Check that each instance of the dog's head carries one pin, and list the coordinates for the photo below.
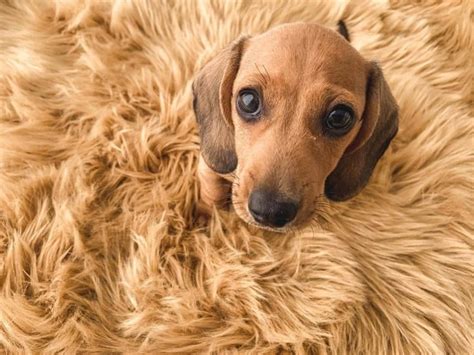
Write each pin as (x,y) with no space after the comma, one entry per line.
(295,113)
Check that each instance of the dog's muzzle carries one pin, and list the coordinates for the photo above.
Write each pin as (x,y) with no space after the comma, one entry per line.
(271,209)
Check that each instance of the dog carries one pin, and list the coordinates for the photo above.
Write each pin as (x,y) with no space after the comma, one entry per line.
(287,119)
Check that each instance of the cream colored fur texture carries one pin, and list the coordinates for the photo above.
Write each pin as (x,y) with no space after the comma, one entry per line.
(98,154)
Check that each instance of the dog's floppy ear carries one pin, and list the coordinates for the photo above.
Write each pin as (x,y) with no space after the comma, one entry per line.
(379,126)
(342,30)
(212,92)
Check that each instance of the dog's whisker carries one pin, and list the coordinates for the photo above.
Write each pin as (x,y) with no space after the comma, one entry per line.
(264,79)
(266,72)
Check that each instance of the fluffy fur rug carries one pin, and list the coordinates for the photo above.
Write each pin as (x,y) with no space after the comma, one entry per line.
(98,149)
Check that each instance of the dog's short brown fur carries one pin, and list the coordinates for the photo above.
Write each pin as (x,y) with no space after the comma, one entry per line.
(301,70)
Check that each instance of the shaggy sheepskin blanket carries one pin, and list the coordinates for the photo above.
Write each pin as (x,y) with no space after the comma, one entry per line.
(99,251)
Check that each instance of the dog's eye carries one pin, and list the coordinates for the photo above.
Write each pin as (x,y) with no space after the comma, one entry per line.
(339,121)
(249,105)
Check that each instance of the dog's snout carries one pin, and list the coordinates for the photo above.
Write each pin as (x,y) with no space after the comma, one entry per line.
(271,209)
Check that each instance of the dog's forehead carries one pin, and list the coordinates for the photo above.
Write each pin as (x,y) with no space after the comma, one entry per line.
(308,51)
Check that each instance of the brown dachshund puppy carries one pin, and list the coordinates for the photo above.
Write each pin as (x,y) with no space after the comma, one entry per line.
(287,118)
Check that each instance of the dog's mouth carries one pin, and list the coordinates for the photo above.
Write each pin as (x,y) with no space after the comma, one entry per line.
(246,217)
(309,211)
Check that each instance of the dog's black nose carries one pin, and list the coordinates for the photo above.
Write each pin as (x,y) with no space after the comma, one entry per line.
(271,209)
